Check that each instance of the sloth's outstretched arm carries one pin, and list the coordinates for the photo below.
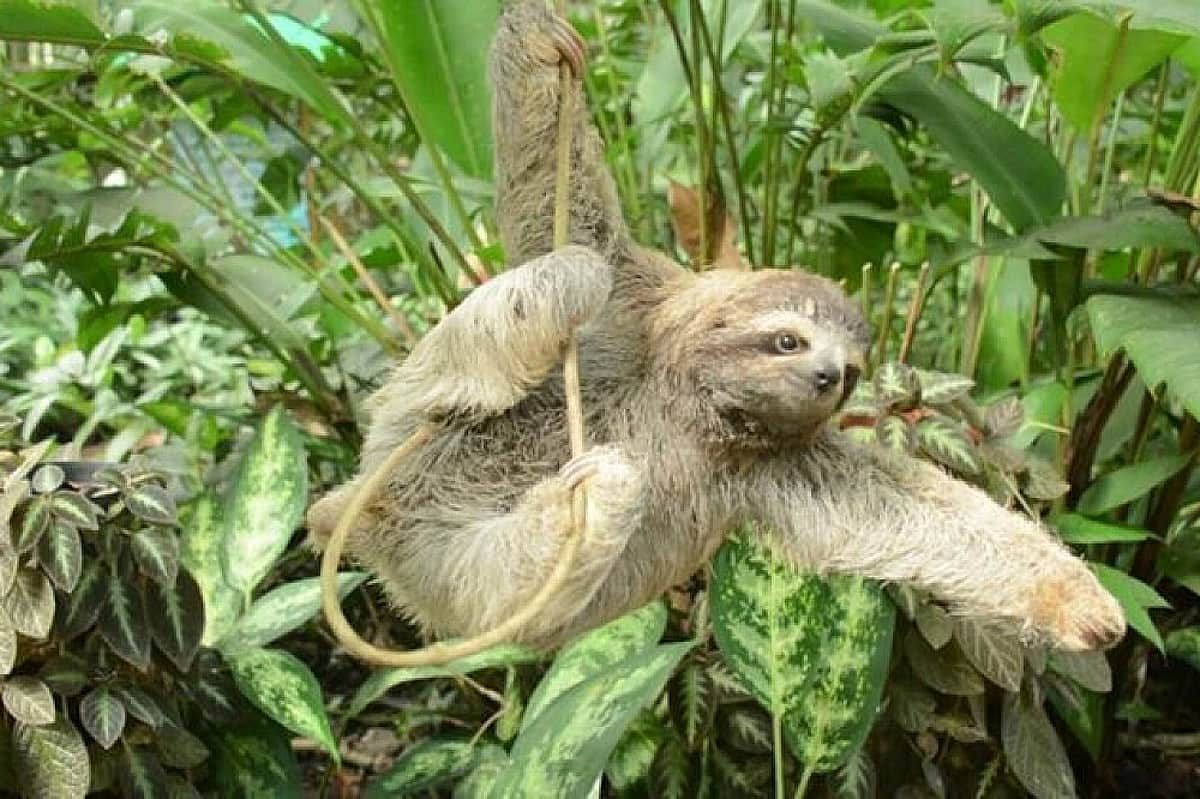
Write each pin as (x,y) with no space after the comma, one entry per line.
(503,561)
(486,355)
(530,43)
(863,510)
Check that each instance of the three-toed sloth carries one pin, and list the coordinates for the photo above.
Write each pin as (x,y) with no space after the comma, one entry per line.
(710,395)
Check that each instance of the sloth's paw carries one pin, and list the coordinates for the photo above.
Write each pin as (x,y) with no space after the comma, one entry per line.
(1077,613)
(558,42)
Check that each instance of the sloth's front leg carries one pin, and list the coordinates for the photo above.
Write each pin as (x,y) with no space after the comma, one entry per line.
(510,557)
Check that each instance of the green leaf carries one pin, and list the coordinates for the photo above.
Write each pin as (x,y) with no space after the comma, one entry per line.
(282,610)
(813,652)
(383,680)
(60,553)
(151,503)
(140,704)
(564,751)
(428,764)
(284,688)
(29,606)
(1019,174)
(52,760)
(141,775)
(947,443)
(693,701)
(156,552)
(8,649)
(1124,485)
(1098,60)
(437,55)
(945,670)
(895,433)
(83,605)
(1135,226)
(179,748)
(266,503)
(200,553)
(1185,645)
(175,614)
(1033,750)
(1160,334)
(1078,529)
(28,700)
(123,619)
(1089,669)
(76,509)
(43,20)
(1135,597)
(34,524)
(103,716)
(942,388)
(994,651)
(254,761)
(594,653)
(633,757)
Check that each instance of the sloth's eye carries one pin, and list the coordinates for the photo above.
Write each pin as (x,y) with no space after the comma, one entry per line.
(787,343)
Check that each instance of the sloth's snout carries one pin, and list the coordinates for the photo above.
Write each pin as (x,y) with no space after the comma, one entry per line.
(827,377)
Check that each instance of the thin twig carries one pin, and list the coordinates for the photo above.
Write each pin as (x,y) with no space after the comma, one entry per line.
(402,324)
(914,313)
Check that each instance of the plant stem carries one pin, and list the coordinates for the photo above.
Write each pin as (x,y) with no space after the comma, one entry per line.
(777,753)
(802,788)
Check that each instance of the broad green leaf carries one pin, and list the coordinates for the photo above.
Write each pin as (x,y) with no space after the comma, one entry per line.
(490,763)
(266,502)
(284,688)
(935,624)
(29,606)
(254,761)
(633,756)
(176,617)
(200,553)
(140,704)
(1098,60)
(76,509)
(1160,334)
(44,20)
(1185,645)
(428,764)
(52,760)
(1089,669)
(216,33)
(1019,174)
(942,388)
(280,611)
(156,552)
(83,605)
(33,525)
(813,652)
(1033,750)
(693,700)
(945,670)
(28,700)
(595,652)
(1004,337)
(995,652)
(179,748)
(437,53)
(152,503)
(1169,16)
(60,553)
(383,680)
(1129,483)
(1081,711)
(1135,597)
(947,443)
(141,775)
(103,716)
(564,751)
(1077,529)
(1134,226)
(123,619)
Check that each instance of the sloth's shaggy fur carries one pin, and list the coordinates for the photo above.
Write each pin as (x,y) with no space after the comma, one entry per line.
(710,421)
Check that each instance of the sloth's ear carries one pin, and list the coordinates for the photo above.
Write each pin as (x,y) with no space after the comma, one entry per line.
(720,250)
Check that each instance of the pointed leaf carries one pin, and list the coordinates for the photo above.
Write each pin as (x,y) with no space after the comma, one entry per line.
(813,652)
(156,552)
(34,524)
(103,716)
(176,618)
(1127,484)
(994,651)
(254,761)
(28,700)
(201,554)
(152,503)
(946,443)
(66,675)
(1089,669)
(563,753)
(8,649)
(428,764)
(896,433)
(942,388)
(141,775)
(1135,597)
(266,503)
(935,624)
(8,568)
(52,760)
(29,606)
(60,553)
(282,610)
(140,704)
(1075,528)
(1004,418)
(84,603)
(945,670)
(76,509)
(1034,752)
(594,653)
(284,688)
(123,619)
(179,748)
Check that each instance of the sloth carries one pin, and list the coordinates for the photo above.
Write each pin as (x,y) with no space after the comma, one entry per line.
(709,396)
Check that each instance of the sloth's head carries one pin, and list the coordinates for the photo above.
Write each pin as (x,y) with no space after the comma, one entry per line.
(770,355)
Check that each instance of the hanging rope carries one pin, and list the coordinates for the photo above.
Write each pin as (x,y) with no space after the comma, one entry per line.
(442,653)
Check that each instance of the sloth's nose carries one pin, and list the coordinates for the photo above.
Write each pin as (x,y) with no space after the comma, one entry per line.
(826,377)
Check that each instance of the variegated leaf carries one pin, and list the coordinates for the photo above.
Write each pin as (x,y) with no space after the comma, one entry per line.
(8,568)
(284,688)
(947,444)
(490,762)
(994,651)
(47,479)
(12,494)
(52,760)
(912,705)
(33,524)
(693,703)
(141,775)
(123,619)
(935,624)
(945,670)
(201,555)
(28,700)
(564,751)
(895,433)
(156,552)
(595,652)
(1004,418)
(152,503)
(83,605)
(1033,749)
(176,617)
(280,611)
(29,606)
(60,553)
(266,503)
(1089,669)
(896,385)
(178,748)
(814,652)
(428,764)
(1042,481)
(8,648)
(633,756)
(140,704)
(103,716)
(254,761)
(66,674)
(943,388)
(77,510)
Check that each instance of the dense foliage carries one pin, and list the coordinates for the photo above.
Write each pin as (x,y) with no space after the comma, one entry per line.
(219,221)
